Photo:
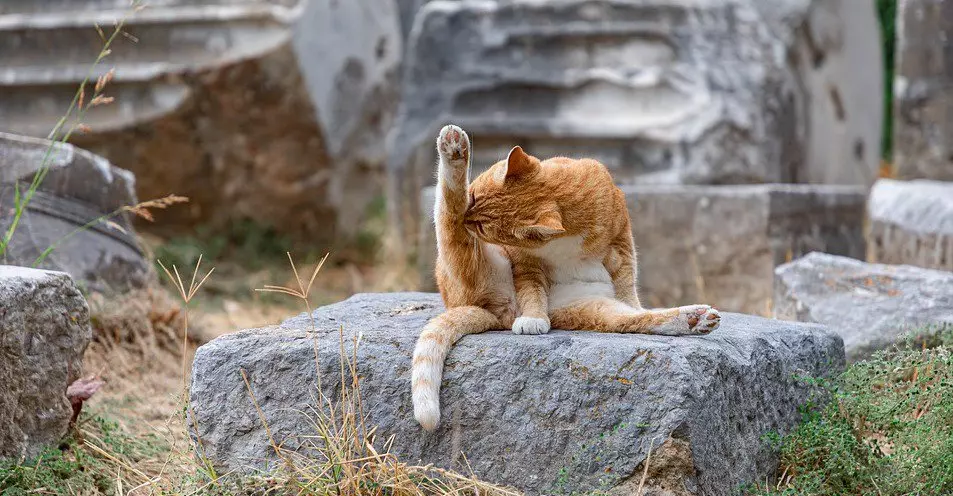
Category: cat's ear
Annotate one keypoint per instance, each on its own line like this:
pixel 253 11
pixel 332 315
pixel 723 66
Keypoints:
pixel 548 226
pixel 518 163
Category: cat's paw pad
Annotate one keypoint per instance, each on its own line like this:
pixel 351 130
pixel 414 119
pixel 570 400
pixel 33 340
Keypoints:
pixel 453 144
pixel 700 319
pixel 530 325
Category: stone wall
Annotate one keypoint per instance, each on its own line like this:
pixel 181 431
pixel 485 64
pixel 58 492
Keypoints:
pixel 911 222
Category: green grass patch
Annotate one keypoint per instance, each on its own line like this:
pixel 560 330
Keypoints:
pixel 888 429
pixel 88 462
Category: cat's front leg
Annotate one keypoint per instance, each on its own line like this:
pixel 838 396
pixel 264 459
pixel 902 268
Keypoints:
pixel 453 147
pixel 451 202
pixel 529 278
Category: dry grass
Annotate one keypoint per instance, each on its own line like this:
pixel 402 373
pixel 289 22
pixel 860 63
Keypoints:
pixel 342 455
pixel 140 343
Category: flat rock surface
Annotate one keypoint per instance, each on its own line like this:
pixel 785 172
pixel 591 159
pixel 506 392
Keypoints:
pixel 869 305
pixel 568 411
pixel 44 331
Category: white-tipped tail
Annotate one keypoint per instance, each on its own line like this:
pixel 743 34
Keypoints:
pixel 427 372
pixel 430 352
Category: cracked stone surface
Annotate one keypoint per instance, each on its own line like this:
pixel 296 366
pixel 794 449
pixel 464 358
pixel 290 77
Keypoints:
pixel 44 331
pixel 567 411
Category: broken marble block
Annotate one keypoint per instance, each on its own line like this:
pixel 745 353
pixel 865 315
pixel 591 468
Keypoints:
pixel 563 413
pixel 911 222
pixel 923 104
pixel 78 188
pixel 871 306
pixel 268 110
pixel 719 245
pixel 44 331
pixel 662 92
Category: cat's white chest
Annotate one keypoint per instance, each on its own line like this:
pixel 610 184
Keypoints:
pixel 501 272
pixel 574 275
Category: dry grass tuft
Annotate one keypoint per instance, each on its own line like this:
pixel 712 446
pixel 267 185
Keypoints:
pixel 342 455
pixel 142 321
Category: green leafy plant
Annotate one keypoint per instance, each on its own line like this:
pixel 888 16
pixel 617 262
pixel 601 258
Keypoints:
pixel 888 428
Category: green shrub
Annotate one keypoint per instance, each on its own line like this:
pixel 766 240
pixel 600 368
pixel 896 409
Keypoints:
pixel 888 429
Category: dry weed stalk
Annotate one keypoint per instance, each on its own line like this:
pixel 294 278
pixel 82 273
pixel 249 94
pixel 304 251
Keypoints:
pixel 186 294
pixel 140 209
pixel 340 456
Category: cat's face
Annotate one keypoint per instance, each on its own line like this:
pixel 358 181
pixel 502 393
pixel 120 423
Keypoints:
pixel 509 204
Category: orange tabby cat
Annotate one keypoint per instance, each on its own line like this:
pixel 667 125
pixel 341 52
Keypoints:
pixel 553 236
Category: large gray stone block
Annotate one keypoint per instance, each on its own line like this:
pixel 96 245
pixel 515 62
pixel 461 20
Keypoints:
pixel 269 110
pixel 923 104
pixel 870 306
pixel 568 411
pixel 672 91
pixel 911 222
pixel 720 244
pixel 44 331
pixel 79 187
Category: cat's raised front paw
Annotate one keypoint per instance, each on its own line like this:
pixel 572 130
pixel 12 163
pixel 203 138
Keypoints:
pixel 530 325
pixel 453 144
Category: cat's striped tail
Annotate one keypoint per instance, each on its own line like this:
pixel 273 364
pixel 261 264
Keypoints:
pixel 434 343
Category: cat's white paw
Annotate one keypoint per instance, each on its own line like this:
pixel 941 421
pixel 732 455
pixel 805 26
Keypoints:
pixel 700 319
pixel 530 325
pixel 453 145
pixel 692 320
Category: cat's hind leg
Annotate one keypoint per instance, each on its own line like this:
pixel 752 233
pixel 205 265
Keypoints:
pixel 609 315
pixel 621 263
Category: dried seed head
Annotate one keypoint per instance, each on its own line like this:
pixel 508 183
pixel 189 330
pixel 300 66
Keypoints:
pixel 101 100
pixel 105 79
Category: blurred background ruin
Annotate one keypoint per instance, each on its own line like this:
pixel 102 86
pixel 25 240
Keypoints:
pixel 307 126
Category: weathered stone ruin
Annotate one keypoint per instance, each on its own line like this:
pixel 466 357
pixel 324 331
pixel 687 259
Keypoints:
pixel 44 330
pixel 79 187
pixel 568 411
pixel 270 110
pixel 871 306
pixel 923 107
pixel 671 92
pixel 911 222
